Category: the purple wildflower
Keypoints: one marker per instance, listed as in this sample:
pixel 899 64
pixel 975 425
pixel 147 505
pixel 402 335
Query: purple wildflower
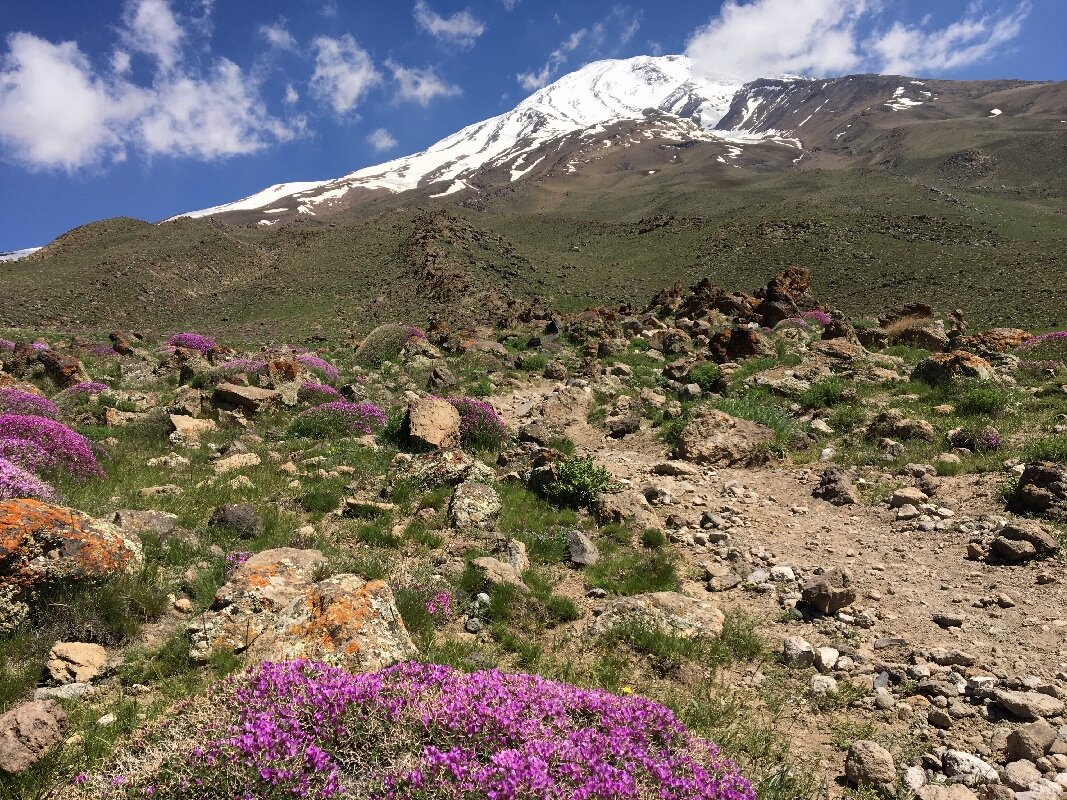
pixel 1053 337
pixel 979 438
pixel 317 393
pixel 18 483
pixel 319 365
pixel 339 418
pixel 193 341
pixel 7 344
pixel 415 332
pixel 40 346
pixel 24 453
pixel 249 365
pixel 86 388
pixel 297 725
pixel 440 605
pixel 102 351
pixel 16 401
pixel 62 448
pixel 480 427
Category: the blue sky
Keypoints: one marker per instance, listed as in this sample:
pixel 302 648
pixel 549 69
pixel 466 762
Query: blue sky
pixel 147 108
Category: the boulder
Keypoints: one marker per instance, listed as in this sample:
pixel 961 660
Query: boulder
pixel 868 765
pixel 474 505
pixel 190 429
pixel 236 462
pixel 830 591
pixel 75 662
pixel 670 612
pixel 580 549
pixel 718 439
pixel 944 367
pixel 42 544
pixel 1031 741
pixel 1029 706
pixel 497 572
pixel 140 522
pixel 967 768
pixel 252 399
pixel 836 487
pixel 241 518
pixel 432 423
pixel 345 621
pixel 429 471
pixel 797 652
pixel 28 731
pixel 1042 490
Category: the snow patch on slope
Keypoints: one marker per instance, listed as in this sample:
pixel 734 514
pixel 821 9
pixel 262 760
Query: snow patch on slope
pixel 15 255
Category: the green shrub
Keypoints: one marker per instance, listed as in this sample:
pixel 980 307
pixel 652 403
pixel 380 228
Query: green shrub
pixel 578 481
pixel 384 343
pixel 625 572
pixel 759 405
pixel 978 398
pixel 1048 448
pixel 824 394
pixel 653 538
pixel 706 375
pixel 534 363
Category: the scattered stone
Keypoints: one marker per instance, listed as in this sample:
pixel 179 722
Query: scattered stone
pixel 830 591
pixel 497 573
pixel 241 518
pixel 252 399
pixel 432 423
pixel 836 487
pixel 580 548
pixel 1029 705
pixel 1020 775
pixel 970 769
pixel 672 612
pixel 907 496
pixel 28 731
pixel 822 686
pixel 236 462
pixel 826 658
pixel 75 662
pixel 797 652
pixel 189 430
pixel 474 506
pixel 1031 742
pixel 139 522
pixel 868 765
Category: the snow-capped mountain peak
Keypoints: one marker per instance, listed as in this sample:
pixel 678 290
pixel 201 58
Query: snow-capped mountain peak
pixel 598 94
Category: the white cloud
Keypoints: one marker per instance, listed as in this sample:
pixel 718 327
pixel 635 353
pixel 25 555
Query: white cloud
pixel 381 140
pixel 151 28
pixel 344 72
pixel 766 38
pixel 908 49
pixel 59 111
pixel 54 112
pixel 214 117
pixel 510 4
pixel 617 29
pixel 461 29
pixel 420 85
pixel 291 94
pixel 278 36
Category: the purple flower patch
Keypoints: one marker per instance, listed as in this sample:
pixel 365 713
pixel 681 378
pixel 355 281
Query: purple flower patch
pixel 62 448
pixel 338 418
pixel 317 393
pixel 18 483
pixel 316 364
pixel 16 401
pixel 480 427
pixel 193 341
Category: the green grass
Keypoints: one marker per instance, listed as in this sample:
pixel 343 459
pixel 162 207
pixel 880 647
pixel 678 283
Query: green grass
pixel 624 571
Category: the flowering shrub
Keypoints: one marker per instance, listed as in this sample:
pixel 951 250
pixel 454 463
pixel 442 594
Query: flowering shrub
pixel 480 427
pixel 807 320
pixel 193 341
pixel 323 367
pixel 1045 347
pixel 7 344
pixel 102 351
pixel 249 365
pixel 60 447
pixel 308 730
pixel 16 401
pixel 440 606
pixel 23 453
pixel 40 346
pixel 577 481
pixel 338 418
pixel 385 343
pixel 978 438
pixel 18 483
pixel 316 393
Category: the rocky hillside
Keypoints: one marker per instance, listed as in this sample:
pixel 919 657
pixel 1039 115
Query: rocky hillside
pixel 738 544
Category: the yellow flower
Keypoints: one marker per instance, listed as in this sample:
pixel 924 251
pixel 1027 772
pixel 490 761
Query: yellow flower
pixel 627 690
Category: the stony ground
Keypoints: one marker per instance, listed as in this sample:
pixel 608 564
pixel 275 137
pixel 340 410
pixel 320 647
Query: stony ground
pixel 794 533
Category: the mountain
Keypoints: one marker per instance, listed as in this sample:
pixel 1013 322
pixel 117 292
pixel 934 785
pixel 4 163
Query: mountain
pixel 585 101
pixel 599 189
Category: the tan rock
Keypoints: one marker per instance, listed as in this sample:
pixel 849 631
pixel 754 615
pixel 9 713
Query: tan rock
pixel 716 438
pixel 251 398
pixel 433 423
pixel 672 612
pixel 190 429
pixel 75 662
pixel 235 462
pixel 29 731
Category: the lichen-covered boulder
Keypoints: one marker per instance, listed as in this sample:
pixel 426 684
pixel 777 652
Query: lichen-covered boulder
pixel 42 544
pixel 474 505
pixel 944 367
pixel 438 468
pixel 274 608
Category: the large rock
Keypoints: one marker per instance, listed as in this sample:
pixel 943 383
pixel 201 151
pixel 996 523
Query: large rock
pixel 580 548
pixel 830 592
pixel 75 662
pixel 42 544
pixel 432 423
pixel 190 429
pixel 1032 741
pixel 250 398
pixel 967 768
pixel 498 573
pixel 868 765
pixel 670 612
pixel 474 505
pixel 140 522
pixel 1042 490
pixel 273 608
pixel 1029 706
pixel 944 367
pixel 836 487
pixel 438 468
pixel 29 731
pixel 241 518
pixel 716 438
pixel 344 620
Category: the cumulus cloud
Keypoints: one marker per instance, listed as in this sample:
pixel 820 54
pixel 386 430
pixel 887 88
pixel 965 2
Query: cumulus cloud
pixel 461 29
pixel 766 38
pixel 344 72
pixel 420 85
pixel 60 111
pixel 278 36
pixel 381 140
pixel 150 27
pixel 619 27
